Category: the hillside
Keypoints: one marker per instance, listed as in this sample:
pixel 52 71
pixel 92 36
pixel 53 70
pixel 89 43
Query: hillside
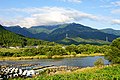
pixel 8 38
pixel 57 33
pixel 78 40
pixel 77 30
pixel 43 29
pixel 19 30
pixel 111 31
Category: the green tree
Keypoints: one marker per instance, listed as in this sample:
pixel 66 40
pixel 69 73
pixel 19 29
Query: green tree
pixel 49 54
pixel 71 48
pixel 114 54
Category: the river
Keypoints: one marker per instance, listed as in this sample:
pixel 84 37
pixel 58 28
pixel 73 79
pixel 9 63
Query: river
pixel 74 61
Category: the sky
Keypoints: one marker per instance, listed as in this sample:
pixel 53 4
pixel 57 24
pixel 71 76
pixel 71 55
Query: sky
pixel 97 14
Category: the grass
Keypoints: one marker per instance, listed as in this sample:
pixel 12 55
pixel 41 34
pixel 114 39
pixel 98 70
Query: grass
pixel 46 57
pixel 89 73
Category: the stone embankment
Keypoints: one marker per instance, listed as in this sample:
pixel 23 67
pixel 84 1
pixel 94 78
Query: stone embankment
pixel 13 72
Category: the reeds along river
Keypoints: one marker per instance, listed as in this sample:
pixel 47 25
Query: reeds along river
pixel 75 61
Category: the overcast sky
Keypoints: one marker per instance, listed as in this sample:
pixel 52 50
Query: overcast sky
pixel 94 13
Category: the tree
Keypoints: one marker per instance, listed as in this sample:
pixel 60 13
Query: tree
pixel 114 54
pixel 71 48
pixel 49 54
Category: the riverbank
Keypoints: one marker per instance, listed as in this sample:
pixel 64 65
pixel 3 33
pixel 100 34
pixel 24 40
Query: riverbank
pixel 107 72
pixel 46 57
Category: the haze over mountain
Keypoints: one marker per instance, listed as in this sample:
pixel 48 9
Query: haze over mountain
pixel 76 33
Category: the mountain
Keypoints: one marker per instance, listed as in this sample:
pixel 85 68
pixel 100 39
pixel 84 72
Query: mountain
pixel 19 30
pixel 43 29
pixel 8 38
pixel 77 30
pixel 76 33
pixel 111 31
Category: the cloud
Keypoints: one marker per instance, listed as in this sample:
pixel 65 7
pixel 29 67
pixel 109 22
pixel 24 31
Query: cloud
pixel 48 16
pixel 116 3
pixel 106 6
pixel 116 21
pixel 75 1
pixel 110 4
pixel 116 11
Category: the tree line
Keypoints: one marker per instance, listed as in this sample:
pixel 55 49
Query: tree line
pixel 59 50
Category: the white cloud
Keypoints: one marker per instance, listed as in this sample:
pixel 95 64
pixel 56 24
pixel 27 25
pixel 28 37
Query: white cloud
pixel 111 4
pixel 76 1
pixel 48 16
pixel 116 11
pixel 116 3
pixel 116 21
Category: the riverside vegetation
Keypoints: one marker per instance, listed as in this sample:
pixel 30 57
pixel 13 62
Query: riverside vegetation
pixel 55 51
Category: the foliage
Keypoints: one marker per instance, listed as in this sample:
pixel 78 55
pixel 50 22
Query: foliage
pixel 114 54
pixel 99 62
pixel 55 50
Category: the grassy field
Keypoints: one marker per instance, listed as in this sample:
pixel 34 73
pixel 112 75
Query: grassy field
pixel 89 73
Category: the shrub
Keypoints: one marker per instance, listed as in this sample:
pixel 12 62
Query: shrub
pixel 99 62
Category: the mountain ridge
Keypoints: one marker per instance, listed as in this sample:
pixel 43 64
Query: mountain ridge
pixel 57 33
pixel 111 31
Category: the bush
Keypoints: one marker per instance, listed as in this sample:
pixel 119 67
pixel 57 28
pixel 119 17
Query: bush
pixel 73 53
pixel 99 62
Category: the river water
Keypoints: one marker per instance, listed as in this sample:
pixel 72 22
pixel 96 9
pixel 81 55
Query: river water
pixel 75 61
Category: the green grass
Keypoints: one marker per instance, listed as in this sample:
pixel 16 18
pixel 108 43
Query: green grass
pixel 95 73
